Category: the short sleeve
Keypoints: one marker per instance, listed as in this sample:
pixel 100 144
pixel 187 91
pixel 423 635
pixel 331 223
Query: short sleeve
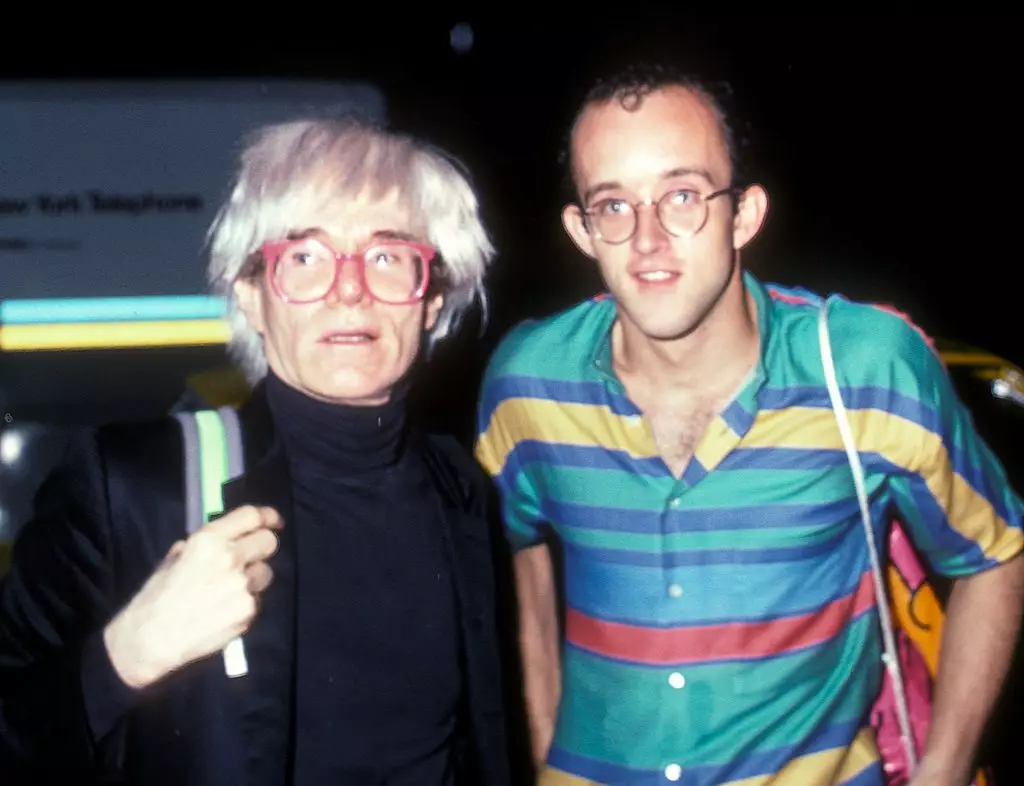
pixel 502 451
pixel 948 485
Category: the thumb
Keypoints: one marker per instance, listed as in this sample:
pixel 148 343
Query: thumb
pixel 174 551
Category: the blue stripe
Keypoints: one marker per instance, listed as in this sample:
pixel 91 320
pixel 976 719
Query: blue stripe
pixel 508 386
pixel 111 309
pixel 694 473
pixel 674 559
pixel 874 775
pixel 551 455
pixel 764 516
pixel 783 458
pixel 754 763
pixel 602 771
pixel 632 596
pixel 807 605
pixel 738 418
pixel 863 397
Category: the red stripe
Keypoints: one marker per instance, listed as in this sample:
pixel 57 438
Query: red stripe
pixel 742 640
pixel 785 297
pixel 906 318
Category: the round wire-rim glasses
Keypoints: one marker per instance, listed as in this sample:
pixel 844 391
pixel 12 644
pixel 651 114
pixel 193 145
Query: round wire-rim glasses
pixel 682 212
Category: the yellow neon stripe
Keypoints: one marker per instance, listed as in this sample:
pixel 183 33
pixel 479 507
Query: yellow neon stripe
pixel 110 335
pixel 970 359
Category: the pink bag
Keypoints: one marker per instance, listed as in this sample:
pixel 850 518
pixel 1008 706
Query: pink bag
pixel 917 683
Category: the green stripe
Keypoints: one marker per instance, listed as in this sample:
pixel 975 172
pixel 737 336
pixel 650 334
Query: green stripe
pixel 213 461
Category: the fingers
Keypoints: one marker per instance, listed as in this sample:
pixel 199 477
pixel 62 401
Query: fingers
pixel 174 551
pixel 245 520
pixel 259 576
pixel 255 547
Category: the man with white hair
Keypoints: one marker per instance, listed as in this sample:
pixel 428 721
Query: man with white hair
pixel 354 556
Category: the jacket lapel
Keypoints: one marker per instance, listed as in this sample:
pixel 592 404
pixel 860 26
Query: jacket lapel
pixel 263 698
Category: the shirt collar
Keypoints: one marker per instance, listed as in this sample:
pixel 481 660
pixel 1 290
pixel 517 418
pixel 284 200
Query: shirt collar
pixel 740 414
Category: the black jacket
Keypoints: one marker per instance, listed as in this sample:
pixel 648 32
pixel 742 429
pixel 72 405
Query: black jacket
pixel 104 520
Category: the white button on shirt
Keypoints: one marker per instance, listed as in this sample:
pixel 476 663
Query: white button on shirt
pixel 673 772
pixel 676 680
pixel 675 591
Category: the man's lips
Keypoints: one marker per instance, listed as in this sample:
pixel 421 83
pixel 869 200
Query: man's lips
pixel 656 276
pixel 352 336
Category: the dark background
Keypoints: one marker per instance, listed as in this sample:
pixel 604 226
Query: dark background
pixel 888 143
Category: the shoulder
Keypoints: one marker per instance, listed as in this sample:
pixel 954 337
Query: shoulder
pixel 541 356
pixel 104 480
pixel 873 344
pixel 542 347
pixel 878 344
pixel 456 471
pixel 135 450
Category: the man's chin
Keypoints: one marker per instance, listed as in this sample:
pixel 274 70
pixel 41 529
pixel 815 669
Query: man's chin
pixel 351 390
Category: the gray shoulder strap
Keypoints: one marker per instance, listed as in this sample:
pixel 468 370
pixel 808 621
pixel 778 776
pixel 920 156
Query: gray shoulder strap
pixel 193 472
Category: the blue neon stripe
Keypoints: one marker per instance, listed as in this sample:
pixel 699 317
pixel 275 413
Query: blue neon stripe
pixel 111 309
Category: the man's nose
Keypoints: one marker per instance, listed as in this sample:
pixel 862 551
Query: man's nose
pixel 348 287
pixel 650 235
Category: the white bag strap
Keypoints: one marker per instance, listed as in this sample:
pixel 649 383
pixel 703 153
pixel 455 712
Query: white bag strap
pixel 889 655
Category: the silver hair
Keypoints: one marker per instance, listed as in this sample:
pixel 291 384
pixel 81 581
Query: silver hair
pixel 291 171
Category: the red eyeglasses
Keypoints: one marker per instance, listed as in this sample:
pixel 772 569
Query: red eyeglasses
pixel 396 272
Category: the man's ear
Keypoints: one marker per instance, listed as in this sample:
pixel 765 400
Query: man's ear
pixel 249 297
pixel 751 214
pixel 432 312
pixel 576 227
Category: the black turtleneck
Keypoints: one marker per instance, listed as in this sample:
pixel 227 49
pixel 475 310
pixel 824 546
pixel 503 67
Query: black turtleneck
pixel 378 679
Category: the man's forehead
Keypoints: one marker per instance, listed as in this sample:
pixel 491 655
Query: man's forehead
pixel 673 129
pixel 364 215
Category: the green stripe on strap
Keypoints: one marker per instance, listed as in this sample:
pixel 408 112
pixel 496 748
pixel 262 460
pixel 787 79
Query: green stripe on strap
pixel 213 462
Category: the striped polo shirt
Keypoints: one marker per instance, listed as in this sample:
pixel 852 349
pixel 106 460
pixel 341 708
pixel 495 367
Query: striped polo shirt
pixel 721 628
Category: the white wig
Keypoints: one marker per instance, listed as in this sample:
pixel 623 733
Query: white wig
pixel 290 172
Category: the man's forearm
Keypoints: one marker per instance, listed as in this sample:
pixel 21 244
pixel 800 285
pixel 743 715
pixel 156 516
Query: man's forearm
pixel 982 626
pixel 539 643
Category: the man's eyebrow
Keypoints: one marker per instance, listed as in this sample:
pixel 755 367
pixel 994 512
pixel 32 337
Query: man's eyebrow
pixel 302 234
pixel 395 234
pixel 679 171
pixel 378 234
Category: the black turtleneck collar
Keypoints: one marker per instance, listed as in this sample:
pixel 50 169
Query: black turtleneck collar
pixel 337 436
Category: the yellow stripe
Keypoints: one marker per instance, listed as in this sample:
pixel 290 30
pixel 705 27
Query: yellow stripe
pixel 823 768
pixel 906 445
pixel 110 335
pixel 517 420
pixel 549 776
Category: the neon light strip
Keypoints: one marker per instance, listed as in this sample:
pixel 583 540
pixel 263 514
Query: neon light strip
pixel 114 335
pixel 971 359
pixel 111 309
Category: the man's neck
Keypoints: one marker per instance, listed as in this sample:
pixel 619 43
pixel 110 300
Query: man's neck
pixel 721 350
